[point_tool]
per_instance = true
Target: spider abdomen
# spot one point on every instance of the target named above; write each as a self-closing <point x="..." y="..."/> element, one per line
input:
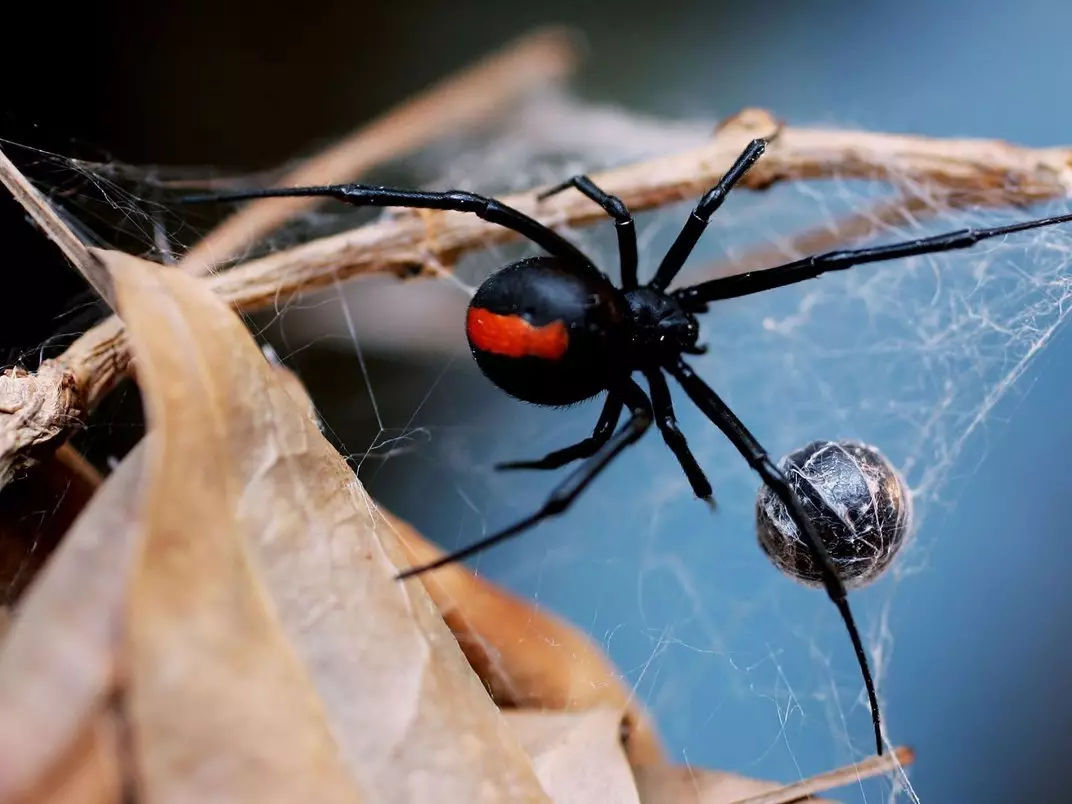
<point x="547" y="332"/>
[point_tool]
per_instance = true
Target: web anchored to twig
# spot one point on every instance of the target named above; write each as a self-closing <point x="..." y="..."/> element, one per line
<point x="42" y="409"/>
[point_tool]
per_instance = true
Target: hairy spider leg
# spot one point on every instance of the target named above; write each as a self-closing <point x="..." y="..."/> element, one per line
<point x="719" y="413"/>
<point x="569" y="489"/>
<point x="697" y="221"/>
<point x="624" y="225"/>
<point x="695" y="298"/>
<point x="674" y="438"/>
<point x="365" y="195"/>
<point x="608" y="420"/>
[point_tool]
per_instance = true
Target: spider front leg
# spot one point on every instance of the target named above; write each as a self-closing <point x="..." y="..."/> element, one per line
<point x="608" y="420"/>
<point x="367" y="195"/>
<point x="675" y="439"/>
<point x="569" y="489"/>
<point x="623" y="223"/>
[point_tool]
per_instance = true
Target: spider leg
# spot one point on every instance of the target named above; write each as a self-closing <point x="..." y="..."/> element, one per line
<point x="701" y="215"/>
<point x="365" y="195"/>
<point x="712" y="406"/>
<point x="608" y="420"/>
<point x="623" y="223"/>
<point x="569" y="489"/>
<point x="731" y="287"/>
<point x="675" y="440"/>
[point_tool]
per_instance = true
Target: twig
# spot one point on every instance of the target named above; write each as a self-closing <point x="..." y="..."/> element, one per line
<point x="850" y="774"/>
<point x="1007" y="174"/>
<point x="462" y="100"/>
<point x="58" y="231"/>
<point x="1001" y="172"/>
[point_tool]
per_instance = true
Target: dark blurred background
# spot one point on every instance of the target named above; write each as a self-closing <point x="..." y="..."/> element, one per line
<point x="744" y="670"/>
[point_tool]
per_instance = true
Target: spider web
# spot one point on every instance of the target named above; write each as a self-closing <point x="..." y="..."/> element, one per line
<point x="743" y="669"/>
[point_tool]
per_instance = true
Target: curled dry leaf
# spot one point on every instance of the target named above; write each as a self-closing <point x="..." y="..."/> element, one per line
<point x="529" y="658"/>
<point x="36" y="411"/>
<point x="91" y="772"/>
<point x="578" y="755"/>
<point x="58" y="660"/>
<point x="267" y="589"/>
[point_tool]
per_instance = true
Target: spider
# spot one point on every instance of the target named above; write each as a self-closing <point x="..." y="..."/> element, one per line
<point x="553" y="330"/>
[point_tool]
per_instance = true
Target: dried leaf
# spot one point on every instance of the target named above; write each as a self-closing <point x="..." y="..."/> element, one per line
<point x="261" y="537"/>
<point x="578" y="756"/>
<point x="528" y="657"/>
<point x="58" y="660"/>
<point x="220" y="706"/>
<point x="91" y="772"/>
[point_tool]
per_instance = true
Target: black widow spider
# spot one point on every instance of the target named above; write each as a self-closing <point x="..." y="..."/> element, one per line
<point x="554" y="330"/>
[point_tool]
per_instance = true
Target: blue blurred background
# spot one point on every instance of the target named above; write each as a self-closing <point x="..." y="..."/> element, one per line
<point x="743" y="669"/>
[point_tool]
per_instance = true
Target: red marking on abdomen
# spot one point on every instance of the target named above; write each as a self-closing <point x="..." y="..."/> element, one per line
<point x="513" y="336"/>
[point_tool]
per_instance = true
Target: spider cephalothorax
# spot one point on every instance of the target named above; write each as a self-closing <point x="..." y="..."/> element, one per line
<point x="554" y="330"/>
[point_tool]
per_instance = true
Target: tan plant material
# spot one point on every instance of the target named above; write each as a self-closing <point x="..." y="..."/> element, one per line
<point x="276" y="613"/>
<point x="579" y="759"/>
<point x="401" y="242"/>
<point x="92" y="771"/>
<point x="59" y="660"/>
<point x="36" y="411"/>
<point x="578" y="755"/>
<point x="222" y="622"/>
<point x="262" y="630"/>
<point x="529" y="658"/>
<point x="679" y="784"/>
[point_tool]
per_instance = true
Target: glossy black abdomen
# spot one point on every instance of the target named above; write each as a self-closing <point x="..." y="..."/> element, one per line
<point x="548" y="333"/>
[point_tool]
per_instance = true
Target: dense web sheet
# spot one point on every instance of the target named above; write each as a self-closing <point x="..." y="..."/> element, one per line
<point x="911" y="356"/>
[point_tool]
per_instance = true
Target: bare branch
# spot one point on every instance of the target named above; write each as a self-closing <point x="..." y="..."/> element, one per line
<point x="842" y="777"/>
<point x="1007" y="174"/>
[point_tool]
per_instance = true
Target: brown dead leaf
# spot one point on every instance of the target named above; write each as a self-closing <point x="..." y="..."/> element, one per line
<point x="58" y="660"/>
<point x="91" y="772"/>
<point x="578" y="755"/>
<point x="265" y="564"/>
<point x="219" y="705"/>
<point x="527" y="657"/>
